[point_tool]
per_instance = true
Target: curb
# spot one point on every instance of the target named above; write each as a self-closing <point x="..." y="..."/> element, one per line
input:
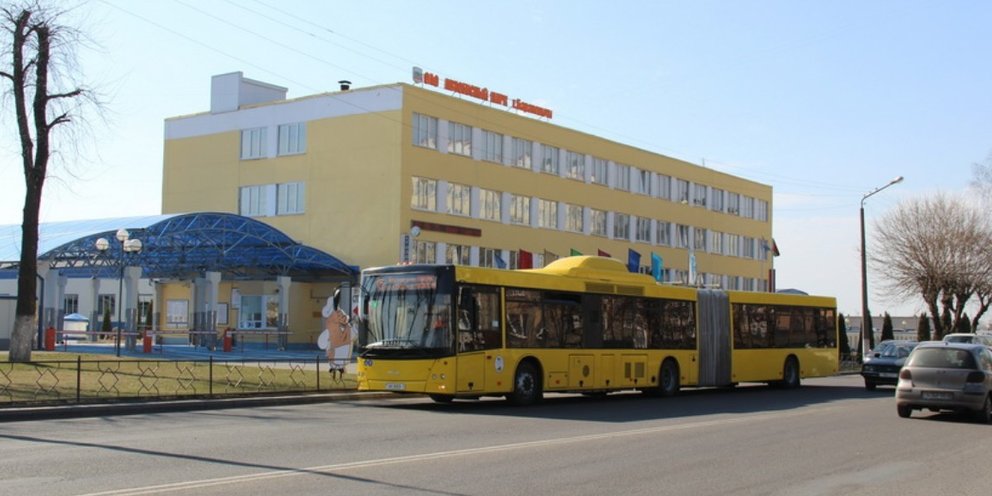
<point x="107" y="409"/>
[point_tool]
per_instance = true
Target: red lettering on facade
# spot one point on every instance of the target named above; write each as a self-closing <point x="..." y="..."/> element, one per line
<point x="431" y="79"/>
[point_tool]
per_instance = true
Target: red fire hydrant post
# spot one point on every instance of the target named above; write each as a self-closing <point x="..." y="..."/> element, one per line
<point x="227" y="341"/>
<point x="50" y="339"/>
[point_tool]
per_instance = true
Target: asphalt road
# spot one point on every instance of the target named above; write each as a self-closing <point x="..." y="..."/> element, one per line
<point x="830" y="437"/>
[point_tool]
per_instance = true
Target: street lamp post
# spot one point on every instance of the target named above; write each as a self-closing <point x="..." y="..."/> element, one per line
<point x="127" y="246"/>
<point x="867" y="329"/>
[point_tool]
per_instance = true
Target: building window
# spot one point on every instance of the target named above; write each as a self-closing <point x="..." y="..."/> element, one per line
<point x="575" y="165"/>
<point x="699" y="239"/>
<point x="644" y="182"/>
<point x="699" y="195"/>
<point x="457" y="254"/>
<point x="177" y="314"/>
<point x="664" y="233"/>
<point x="424" y="252"/>
<point x="682" y="190"/>
<point x="549" y="159"/>
<point x="716" y="200"/>
<point x="761" y="210"/>
<point x="733" y="203"/>
<point x="425" y="131"/>
<point x="459" y="139"/>
<point x="291" y="198"/>
<point x="492" y="147"/>
<point x="259" y="312"/>
<point x="716" y="243"/>
<point x="597" y="222"/>
<point x="621" y="226"/>
<point x="547" y="214"/>
<point x="747" y="244"/>
<point x="598" y="171"/>
<point x="488" y="257"/>
<point x="681" y="236"/>
<point x="731" y="245"/>
<point x="522" y="150"/>
<point x="293" y="138"/>
<point x="106" y="303"/>
<point x="424" y="194"/>
<point x="519" y="209"/>
<point x="253" y="143"/>
<point x="489" y="204"/>
<point x="747" y="207"/>
<point x="70" y="303"/>
<point x="643" y="230"/>
<point x="665" y="187"/>
<point x="459" y="199"/>
<point x="623" y="177"/>
<point x="573" y="218"/>
<point x="257" y="201"/>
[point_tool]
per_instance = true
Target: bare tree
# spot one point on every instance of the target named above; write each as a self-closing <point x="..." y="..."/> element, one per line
<point x="936" y="248"/>
<point x="38" y="62"/>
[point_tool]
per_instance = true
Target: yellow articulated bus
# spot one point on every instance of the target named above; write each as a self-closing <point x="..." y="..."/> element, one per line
<point x="581" y="324"/>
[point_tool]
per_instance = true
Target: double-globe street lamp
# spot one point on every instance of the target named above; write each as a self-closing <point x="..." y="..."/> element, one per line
<point x="867" y="328"/>
<point x="128" y="246"/>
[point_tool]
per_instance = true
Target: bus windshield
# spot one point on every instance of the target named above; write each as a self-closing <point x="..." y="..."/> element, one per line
<point x="405" y="315"/>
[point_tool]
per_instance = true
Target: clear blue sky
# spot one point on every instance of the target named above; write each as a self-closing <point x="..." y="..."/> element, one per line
<point x="824" y="101"/>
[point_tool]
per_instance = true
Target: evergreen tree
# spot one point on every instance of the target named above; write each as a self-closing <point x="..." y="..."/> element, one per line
<point x="887" y="327"/>
<point x="843" y="344"/>
<point x="107" y="328"/>
<point x="946" y="324"/>
<point x="923" y="328"/>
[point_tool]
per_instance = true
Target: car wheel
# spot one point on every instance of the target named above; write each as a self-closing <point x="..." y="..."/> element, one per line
<point x="527" y="388"/>
<point x="790" y="373"/>
<point x="870" y="386"/>
<point x="984" y="415"/>
<point x="904" y="411"/>
<point x="669" y="384"/>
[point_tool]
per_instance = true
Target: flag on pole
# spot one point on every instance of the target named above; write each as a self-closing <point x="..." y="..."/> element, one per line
<point x="656" y="266"/>
<point x="525" y="260"/>
<point x="633" y="260"/>
<point x="775" y="251"/>
<point x="500" y="264"/>
<point x="574" y="253"/>
<point x="603" y="253"/>
<point x="549" y="257"/>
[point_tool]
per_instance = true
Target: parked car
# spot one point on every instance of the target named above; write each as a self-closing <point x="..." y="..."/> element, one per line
<point x="966" y="337"/>
<point x="941" y="376"/>
<point x="882" y="367"/>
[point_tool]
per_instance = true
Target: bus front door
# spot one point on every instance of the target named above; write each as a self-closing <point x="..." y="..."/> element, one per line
<point x="471" y="372"/>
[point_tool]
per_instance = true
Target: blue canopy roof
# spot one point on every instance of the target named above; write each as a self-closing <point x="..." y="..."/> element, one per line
<point x="179" y="246"/>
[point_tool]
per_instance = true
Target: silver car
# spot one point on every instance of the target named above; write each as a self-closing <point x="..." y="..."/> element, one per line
<point x="947" y="376"/>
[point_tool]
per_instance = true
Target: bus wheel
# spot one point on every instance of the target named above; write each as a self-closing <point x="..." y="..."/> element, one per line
<point x="442" y="398"/>
<point x="526" y="386"/>
<point x="669" y="381"/>
<point x="790" y="373"/>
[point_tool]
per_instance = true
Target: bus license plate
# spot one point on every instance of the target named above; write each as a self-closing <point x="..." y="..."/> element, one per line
<point x="395" y="386"/>
<point x="934" y="395"/>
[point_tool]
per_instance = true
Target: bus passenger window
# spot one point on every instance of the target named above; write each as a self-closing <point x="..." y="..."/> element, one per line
<point x="478" y="319"/>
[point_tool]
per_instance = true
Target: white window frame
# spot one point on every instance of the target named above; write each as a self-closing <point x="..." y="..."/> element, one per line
<point x="621" y="226"/>
<point x="549" y="159"/>
<point x="573" y="218"/>
<point x="257" y="200"/>
<point x="599" y="171"/>
<point x="597" y="222"/>
<point x="424" y="194"/>
<point x="575" y="165"/>
<point x="547" y="214"/>
<point x="424" y="131"/>
<point x="664" y="233"/>
<point x="292" y="139"/>
<point x="623" y="177"/>
<point x="459" y="199"/>
<point x="459" y="139"/>
<point x="492" y="146"/>
<point x="254" y="143"/>
<point x="643" y="232"/>
<point x="522" y="150"/>
<point x="489" y="204"/>
<point x="664" y="187"/>
<point x="519" y="209"/>
<point x="291" y="198"/>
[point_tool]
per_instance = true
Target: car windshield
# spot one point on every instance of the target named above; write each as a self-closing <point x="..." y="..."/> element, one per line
<point x="961" y="338"/>
<point x="405" y="315"/>
<point x="942" y="358"/>
<point x="892" y="350"/>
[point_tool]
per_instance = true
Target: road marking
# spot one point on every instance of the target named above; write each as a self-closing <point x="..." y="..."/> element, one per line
<point x="275" y="474"/>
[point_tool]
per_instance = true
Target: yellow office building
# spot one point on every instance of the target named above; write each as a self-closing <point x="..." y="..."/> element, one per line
<point x="447" y="172"/>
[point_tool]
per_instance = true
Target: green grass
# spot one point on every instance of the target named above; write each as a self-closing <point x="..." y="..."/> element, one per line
<point x="55" y="377"/>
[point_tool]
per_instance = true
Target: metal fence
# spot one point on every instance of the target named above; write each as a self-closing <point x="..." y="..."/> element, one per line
<point x="96" y="381"/>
